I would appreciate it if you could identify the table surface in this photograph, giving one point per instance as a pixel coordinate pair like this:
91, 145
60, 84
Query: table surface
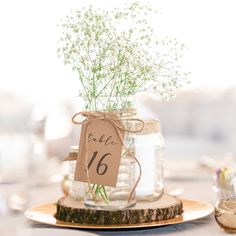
195, 189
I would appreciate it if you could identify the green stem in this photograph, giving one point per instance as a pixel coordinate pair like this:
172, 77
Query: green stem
100, 190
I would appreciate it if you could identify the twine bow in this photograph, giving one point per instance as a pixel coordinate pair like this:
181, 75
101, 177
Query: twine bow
116, 123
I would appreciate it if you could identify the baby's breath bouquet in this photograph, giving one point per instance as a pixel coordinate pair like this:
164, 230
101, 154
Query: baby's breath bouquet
116, 53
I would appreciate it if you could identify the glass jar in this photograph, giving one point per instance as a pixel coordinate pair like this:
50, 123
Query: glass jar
110, 197
117, 197
225, 188
148, 147
225, 214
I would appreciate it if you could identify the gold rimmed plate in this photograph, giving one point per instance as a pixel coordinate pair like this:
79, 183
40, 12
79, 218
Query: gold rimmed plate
193, 210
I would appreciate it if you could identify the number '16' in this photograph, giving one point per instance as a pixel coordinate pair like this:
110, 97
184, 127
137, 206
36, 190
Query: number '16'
101, 167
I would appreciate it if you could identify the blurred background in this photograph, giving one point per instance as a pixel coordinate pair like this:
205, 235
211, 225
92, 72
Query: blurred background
39, 95
32, 78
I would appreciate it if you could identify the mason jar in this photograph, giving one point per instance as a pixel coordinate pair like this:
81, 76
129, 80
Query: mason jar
146, 146
225, 188
149, 145
120, 196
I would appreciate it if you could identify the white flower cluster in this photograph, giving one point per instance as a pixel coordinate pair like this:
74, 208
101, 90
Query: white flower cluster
116, 53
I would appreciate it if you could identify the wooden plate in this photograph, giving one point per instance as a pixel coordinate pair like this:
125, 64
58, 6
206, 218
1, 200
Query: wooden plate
192, 210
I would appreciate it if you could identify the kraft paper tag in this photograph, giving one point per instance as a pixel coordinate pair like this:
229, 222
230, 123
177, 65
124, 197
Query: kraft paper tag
104, 149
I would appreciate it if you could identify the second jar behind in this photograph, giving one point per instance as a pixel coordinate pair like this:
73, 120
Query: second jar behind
149, 146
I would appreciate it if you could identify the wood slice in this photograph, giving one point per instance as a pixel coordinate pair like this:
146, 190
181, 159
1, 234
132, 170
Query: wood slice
167, 207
